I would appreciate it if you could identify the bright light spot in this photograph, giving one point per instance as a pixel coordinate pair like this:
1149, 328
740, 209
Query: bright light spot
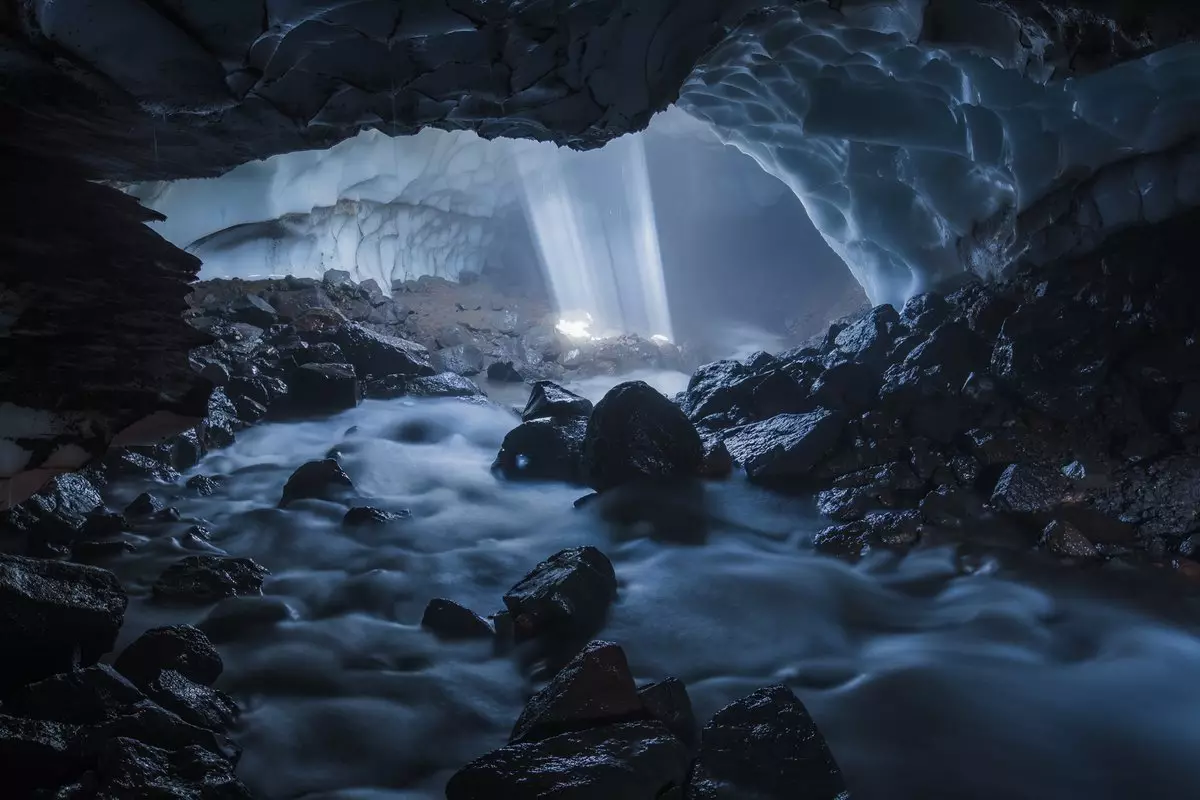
658, 337
592, 216
575, 328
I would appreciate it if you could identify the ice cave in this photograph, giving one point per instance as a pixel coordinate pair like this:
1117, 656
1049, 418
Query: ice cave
599, 399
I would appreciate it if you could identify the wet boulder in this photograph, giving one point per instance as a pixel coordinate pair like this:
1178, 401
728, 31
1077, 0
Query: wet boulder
317, 480
635, 434
56, 513
182, 648
1030, 489
316, 389
668, 702
449, 621
200, 580
55, 616
80, 697
847, 385
504, 372
878, 529
549, 400
868, 339
144, 505
127, 767
765, 746
376, 354
631, 761
462, 359
787, 446
39, 756
194, 703
444, 384
1066, 541
596, 688
712, 388
543, 449
925, 311
566, 596
252, 310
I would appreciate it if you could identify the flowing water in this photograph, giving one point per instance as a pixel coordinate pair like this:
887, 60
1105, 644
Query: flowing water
928, 682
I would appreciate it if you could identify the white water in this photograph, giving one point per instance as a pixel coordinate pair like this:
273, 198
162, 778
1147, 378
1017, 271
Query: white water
928, 683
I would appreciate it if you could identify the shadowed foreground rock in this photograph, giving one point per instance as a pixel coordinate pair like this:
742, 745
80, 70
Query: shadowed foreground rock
564, 597
182, 648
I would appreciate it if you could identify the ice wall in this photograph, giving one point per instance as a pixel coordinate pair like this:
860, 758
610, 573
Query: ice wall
917, 160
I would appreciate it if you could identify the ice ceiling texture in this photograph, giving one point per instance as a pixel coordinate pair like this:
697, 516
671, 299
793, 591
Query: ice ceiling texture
917, 156
925, 137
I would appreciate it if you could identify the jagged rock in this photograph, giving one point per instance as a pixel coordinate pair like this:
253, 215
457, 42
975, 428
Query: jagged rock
565, 596
182, 648
951, 507
888, 529
338, 278
237, 618
462, 359
847, 385
1064, 539
129, 768
924, 312
80, 697
102, 524
753, 392
711, 389
543, 449
253, 310
56, 616
449, 621
128, 463
389, 387
366, 516
317, 480
56, 513
293, 304
38, 756
786, 446
504, 372
144, 505
220, 424
88, 552
764, 746
200, 580
1028, 489
718, 462
374, 354
203, 485
631, 761
444, 384
322, 389
668, 702
636, 434
867, 339
1185, 414
549, 400
596, 688
194, 703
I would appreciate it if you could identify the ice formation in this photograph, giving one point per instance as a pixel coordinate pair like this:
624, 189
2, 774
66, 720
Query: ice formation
918, 161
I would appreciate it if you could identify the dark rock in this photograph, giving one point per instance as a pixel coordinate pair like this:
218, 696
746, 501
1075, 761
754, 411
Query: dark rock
543, 449
885, 529
127, 463
1030, 489
366, 516
924, 312
504, 372
786, 446
449, 621
445, 384
374, 354
322, 389
317, 480
193, 702
237, 618
56, 615
712, 388
253, 310
718, 462
549, 400
567, 595
215, 373
182, 648
89, 552
389, 387
596, 688
1064, 539
764, 746
148, 723
951, 507
867, 339
203, 485
38, 756
80, 697
847, 385
631, 761
220, 425
462, 359
129, 768
103, 524
1185, 414
295, 303
56, 513
199, 580
636, 434
338, 278
668, 702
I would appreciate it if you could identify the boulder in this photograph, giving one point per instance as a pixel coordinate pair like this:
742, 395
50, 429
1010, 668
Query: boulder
252, 310
1030, 489
668, 702
55, 616
194, 703
549, 400
129, 768
182, 648
713, 388
80, 697
317, 480
39, 756
375, 354
764, 746
636, 434
787, 446
449, 621
56, 513
322, 389
878, 529
596, 688
543, 450
200, 580
565, 596
630, 761
1065, 540
868, 339
925, 311
504, 372
444, 384
462, 359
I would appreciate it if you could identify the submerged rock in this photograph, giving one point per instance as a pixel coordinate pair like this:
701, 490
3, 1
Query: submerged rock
317, 480
786, 446
566, 596
631, 761
55, 616
449, 621
636, 434
201, 580
366, 517
764, 746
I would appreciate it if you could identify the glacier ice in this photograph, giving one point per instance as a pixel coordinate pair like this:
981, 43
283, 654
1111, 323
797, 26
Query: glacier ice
917, 162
